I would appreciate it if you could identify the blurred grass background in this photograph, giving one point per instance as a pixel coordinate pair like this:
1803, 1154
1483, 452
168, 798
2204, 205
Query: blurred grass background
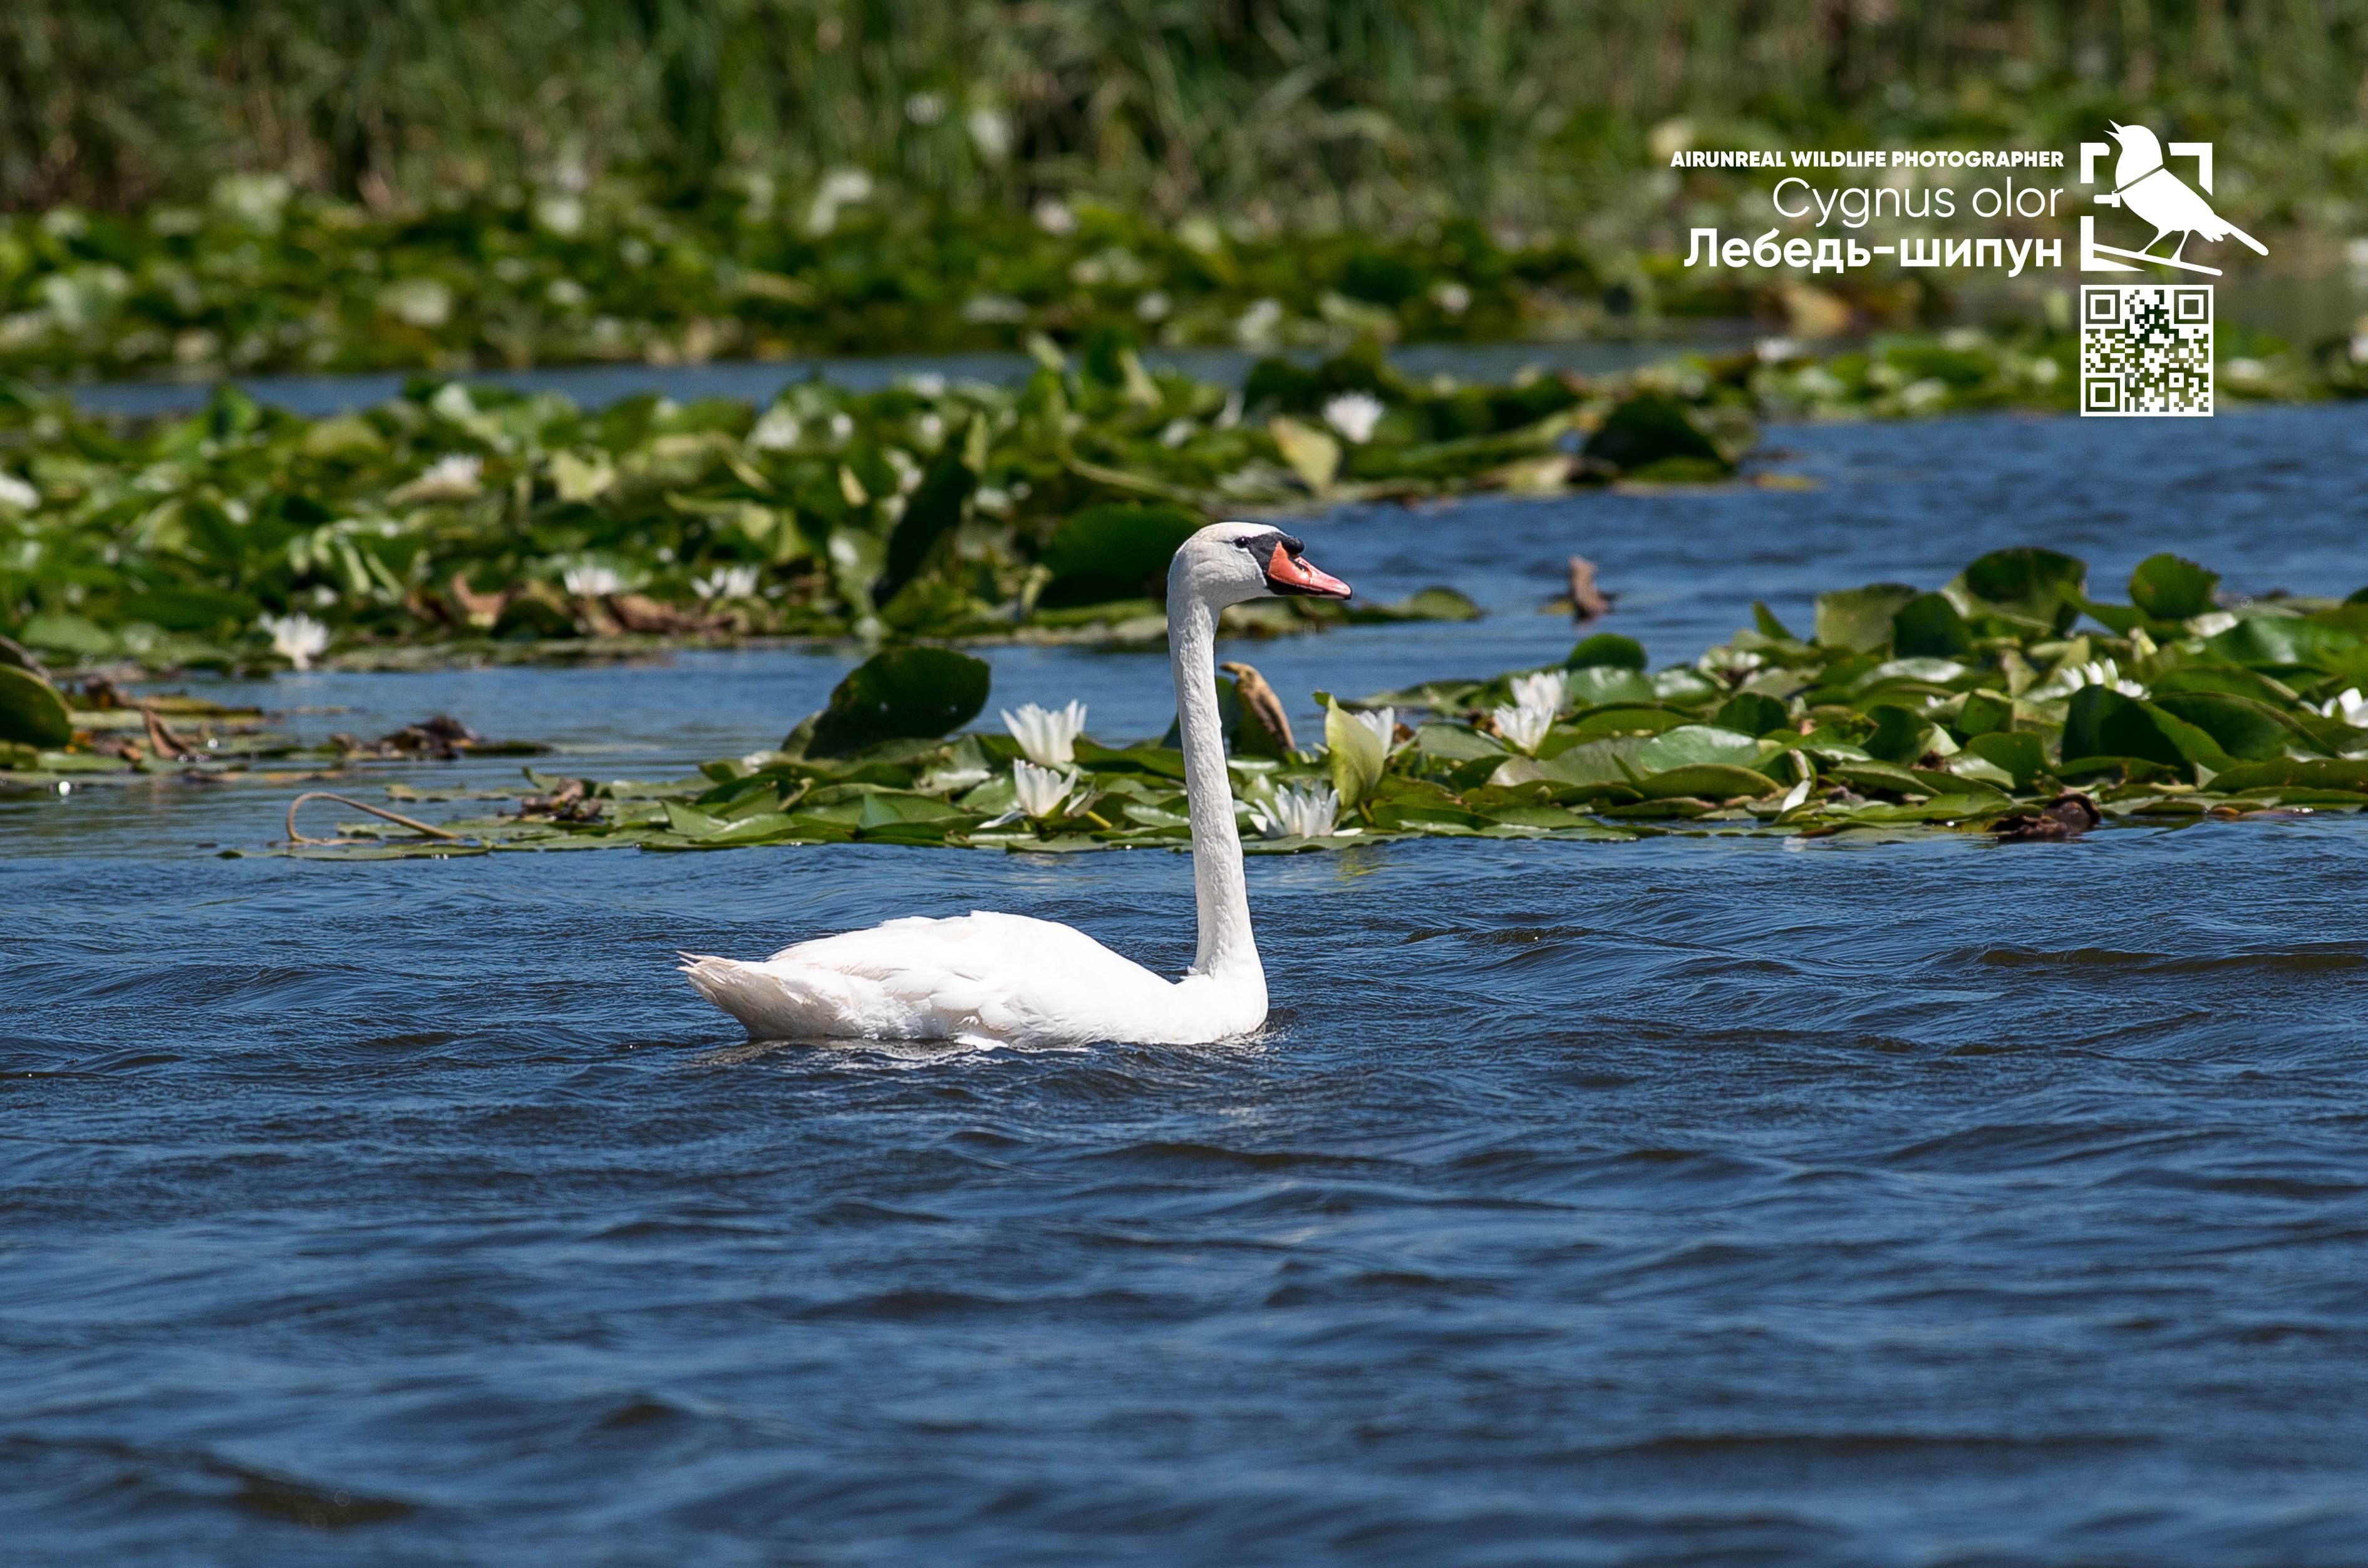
1290, 114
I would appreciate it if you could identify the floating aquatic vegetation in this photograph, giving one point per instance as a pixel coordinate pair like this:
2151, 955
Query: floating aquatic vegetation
301, 283
1905, 711
460, 522
55, 737
470, 522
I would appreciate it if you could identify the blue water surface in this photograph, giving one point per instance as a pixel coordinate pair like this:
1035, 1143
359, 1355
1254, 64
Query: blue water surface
1680, 1202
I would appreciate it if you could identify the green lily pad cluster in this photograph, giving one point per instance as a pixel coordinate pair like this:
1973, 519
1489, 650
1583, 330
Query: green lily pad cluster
1969, 369
2004, 702
478, 522
262, 279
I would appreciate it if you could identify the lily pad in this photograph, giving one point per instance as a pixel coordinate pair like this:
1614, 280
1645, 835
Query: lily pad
2101, 723
1928, 626
1594, 686
1861, 618
2315, 773
2021, 755
1116, 550
2170, 587
1708, 781
31, 711
1690, 744
1899, 736
1651, 434
1606, 649
904, 693
1753, 713
2026, 582
2242, 726
2287, 641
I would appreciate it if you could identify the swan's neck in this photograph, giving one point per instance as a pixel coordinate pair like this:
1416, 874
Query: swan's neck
1227, 949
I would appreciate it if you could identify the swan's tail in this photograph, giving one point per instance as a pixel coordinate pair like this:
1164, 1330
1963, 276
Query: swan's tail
777, 1002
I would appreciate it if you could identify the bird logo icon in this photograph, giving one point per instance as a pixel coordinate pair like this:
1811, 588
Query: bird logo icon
2145, 187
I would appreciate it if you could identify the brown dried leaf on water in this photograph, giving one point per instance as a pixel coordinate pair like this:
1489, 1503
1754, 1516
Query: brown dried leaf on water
100, 692
479, 609
1587, 600
593, 618
162, 739
441, 738
638, 612
1259, 701
568, 803
2069, 816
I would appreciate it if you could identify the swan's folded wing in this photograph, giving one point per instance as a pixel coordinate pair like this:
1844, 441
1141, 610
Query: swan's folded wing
980, 975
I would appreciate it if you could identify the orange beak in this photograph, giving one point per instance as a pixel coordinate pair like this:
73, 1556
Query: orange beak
1286, 574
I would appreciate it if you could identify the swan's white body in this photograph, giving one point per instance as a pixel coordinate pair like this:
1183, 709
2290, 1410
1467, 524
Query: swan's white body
985, 978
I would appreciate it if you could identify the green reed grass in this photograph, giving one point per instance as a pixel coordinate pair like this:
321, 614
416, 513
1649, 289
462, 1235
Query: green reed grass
1368, 113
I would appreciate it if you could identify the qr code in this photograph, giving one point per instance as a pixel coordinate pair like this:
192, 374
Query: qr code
2145, 348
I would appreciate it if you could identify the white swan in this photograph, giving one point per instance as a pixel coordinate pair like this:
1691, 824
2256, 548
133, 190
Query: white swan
1004, 979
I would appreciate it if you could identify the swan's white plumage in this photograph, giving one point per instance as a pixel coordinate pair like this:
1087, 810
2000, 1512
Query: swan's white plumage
984, 978
980, 979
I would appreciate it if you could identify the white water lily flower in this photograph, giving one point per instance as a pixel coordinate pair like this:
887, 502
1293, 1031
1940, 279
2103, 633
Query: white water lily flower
1383, 723
1451, 297
1297, 811
456, 477
1053, 215
2348, 705
1792, 797
15, 492
726, 583
1537, 698
839, 188
1257, 326
1522, 728
1040, 790
1049, 739
990, 128
1354, 415
592, 582
778, 431
1544, 689
2211, 623
298, 639
2104, 673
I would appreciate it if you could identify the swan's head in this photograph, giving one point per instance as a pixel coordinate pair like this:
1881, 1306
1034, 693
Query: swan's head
1226, 564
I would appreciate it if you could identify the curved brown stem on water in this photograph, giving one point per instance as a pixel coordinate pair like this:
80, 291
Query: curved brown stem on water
412, 823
